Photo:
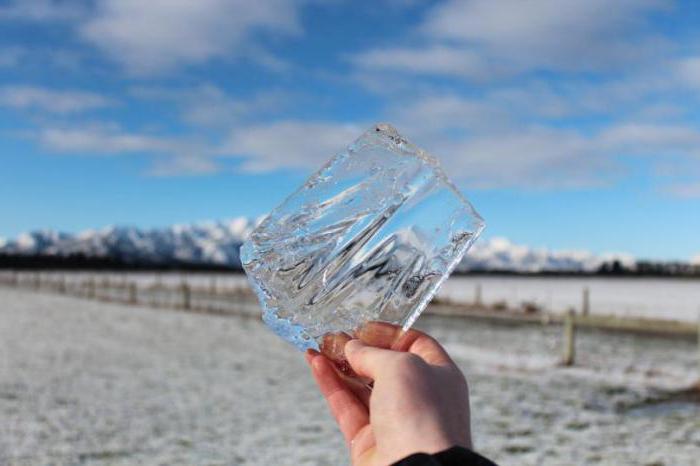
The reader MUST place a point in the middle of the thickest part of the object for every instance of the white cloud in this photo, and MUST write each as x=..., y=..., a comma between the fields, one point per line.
x=479, y=143
x=438, y=113
x=432, y=60
x=183, y=165
x=159, y=35
x=98, y=139
x=695, y=260
x=43, y=10
x=530, y=158
x=210, y=106
x=289, y=144
x=685, y=190
x=643, y=138
x=479, y=39
x=688, y=70
x=555, y=34
x=50, y=100
x=171, y=156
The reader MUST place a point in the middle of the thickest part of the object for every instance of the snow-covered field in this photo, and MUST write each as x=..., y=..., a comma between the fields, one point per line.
x=639, y=297
x=89, y=382
x=671, y=298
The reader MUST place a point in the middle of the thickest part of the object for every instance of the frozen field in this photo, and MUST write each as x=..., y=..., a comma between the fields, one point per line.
x=671, y=298
x=639, y=297
x=94, y=383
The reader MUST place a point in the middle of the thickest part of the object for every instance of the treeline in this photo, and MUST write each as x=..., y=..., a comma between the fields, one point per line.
x=609, y=269
x=78, y=262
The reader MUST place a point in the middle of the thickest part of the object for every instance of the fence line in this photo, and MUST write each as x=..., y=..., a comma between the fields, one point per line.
x=218, y=300
x=241, y=301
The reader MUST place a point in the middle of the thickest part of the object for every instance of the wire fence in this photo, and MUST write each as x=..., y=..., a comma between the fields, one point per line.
x=234, y=297
x=236, y=300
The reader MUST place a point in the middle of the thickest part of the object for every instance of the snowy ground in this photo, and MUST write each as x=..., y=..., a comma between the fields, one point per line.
x=671, y=298
x=87, y=382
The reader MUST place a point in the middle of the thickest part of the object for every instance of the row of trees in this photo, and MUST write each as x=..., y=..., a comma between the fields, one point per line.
x=83, y=262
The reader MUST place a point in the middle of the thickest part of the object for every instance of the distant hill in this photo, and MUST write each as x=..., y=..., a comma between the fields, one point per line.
x=206, y=245
x=215, y=246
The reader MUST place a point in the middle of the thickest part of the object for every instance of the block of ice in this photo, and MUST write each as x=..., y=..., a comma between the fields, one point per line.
x=369, y=237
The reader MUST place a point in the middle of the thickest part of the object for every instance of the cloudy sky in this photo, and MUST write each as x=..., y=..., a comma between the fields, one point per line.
x=570, y=124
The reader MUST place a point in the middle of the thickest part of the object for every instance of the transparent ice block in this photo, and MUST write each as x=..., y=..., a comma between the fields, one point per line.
x=369, y=237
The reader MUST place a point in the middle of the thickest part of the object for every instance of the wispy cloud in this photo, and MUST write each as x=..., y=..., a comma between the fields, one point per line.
x=160, y=35
x=479, y=39
x=685, y=190
x=101, y=139
x=552, y=34
x=289, y=144
x=688, y=70
x=43, y=10
x=432, y=60
x=50, y=100
x=171, y=156
x=210, y=106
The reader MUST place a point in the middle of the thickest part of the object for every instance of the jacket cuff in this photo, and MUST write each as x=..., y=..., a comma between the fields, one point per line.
x=455, y=456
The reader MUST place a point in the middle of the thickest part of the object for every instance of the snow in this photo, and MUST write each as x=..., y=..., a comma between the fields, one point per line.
x=664, y=298
x=501, y=254
x=669, y=298
x=82, y=381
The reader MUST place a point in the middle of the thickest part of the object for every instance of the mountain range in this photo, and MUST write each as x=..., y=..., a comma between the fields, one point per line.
x=218, y=243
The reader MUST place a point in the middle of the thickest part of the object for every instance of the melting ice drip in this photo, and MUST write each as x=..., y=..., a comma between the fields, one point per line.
x=369, y=237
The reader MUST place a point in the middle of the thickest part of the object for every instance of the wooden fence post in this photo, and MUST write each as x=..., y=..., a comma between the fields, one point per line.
x=62, y=284
x=133, y=294
x=90, y=288
x=186, y=304
x=586, y=303
x=477, y=295
x=106, y=294
x=569, y=339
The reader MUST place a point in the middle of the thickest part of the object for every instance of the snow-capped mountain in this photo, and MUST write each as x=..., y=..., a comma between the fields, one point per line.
x=215, y=243
x=501, y=254
x=218, y=243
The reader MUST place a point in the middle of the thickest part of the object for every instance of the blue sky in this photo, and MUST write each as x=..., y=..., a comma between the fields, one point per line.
x=569, y=124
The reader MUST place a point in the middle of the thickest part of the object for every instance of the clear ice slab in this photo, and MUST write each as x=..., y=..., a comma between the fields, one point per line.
x=369, y=237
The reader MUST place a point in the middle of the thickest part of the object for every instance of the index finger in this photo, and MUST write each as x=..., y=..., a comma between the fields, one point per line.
x=389, y=336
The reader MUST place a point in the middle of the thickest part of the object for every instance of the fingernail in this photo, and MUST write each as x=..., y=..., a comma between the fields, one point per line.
x=353, y=345
x=333, y=344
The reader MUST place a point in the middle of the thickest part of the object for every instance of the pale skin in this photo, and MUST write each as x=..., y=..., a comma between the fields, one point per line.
x=419, y=401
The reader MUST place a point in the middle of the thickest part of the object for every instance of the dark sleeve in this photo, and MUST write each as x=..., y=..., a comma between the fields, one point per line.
x=455, y=456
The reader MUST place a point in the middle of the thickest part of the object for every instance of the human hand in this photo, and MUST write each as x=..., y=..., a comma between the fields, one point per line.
x=419, y=401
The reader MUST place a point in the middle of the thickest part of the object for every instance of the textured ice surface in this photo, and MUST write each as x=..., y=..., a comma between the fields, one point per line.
x=370, y=236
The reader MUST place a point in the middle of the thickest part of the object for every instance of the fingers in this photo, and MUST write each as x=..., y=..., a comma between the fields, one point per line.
x=378, y=334
x=349, y=412
x=333, y=344
x=367, y=361
x=389, y=336
x=424, y=346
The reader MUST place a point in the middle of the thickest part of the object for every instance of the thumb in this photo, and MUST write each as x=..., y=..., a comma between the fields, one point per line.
x=367, y=361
